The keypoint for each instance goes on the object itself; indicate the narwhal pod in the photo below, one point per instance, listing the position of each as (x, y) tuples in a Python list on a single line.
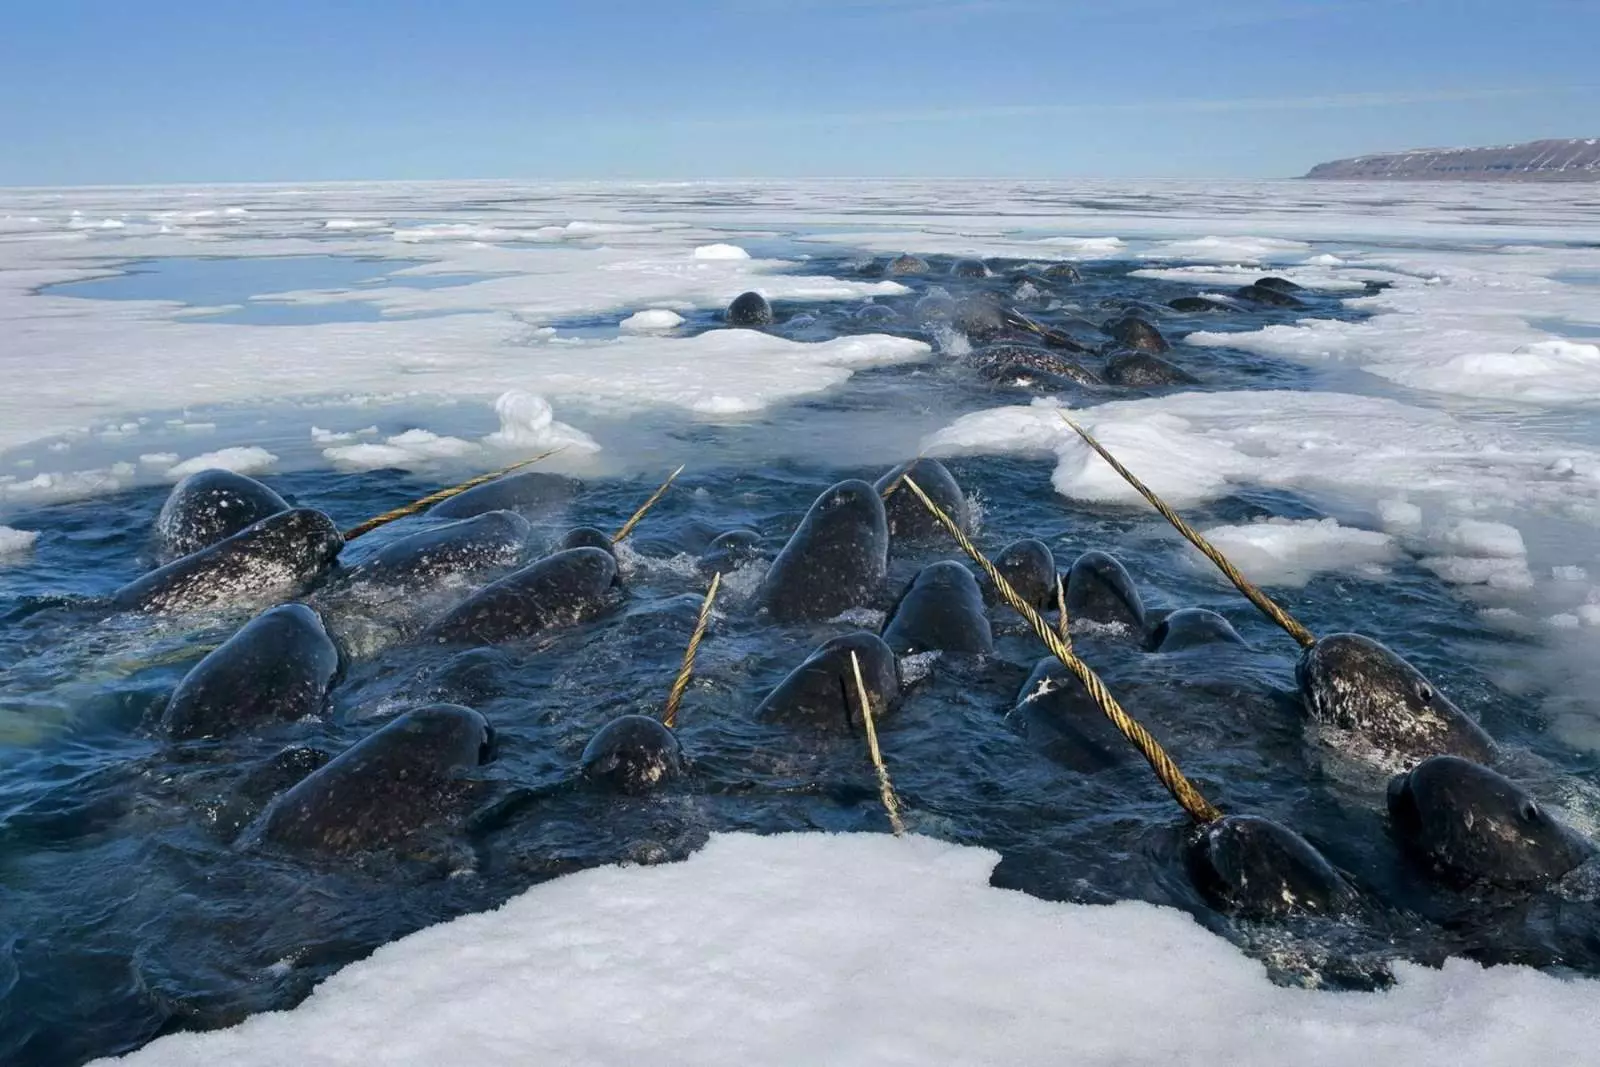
[(1029, 567), (1472, 826), (632, 754), (1257, 869), (563, 589), (821, 693), (468, 549), (941, 611), (1353, 683), (836, 560), (524, 492), (909, 520), (208, 506), (1060, 719), (275, 559), (276, 669), (395, 781), (1100, 590)]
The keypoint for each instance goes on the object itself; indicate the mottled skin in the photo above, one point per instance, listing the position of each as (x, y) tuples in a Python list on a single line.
[(729, 551), (942, 610), (1063, 272), (1059, 718), (399, 779), (275, 559), (209, 506), (560, 590), (1258, 294), (908, 264), (820, 694), (981, 318), (1029, 567), (1355, 684), (1470, 825), (836, 560), (525, 492), (1137, 334), (277, 668), (1253, 867), (749, 309), (936, 305), (1192, 628), (908, 519), (633, 755), (588, 537), (469, 548), (1141, 370), (1282, 285), (969, 268), (1008, 362), (1100, 589)]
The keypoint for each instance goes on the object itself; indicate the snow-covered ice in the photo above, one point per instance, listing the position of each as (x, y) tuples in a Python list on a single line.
[(868, 949), (251, 459), (1291, 551)]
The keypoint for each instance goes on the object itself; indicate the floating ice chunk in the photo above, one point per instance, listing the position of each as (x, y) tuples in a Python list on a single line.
[(775, 940), (158, 459), (453, 231), (1399, 515), (1569, 574), (16, 542), (651, 320), (720, 251), (414, 448), (251, 459), (349, 225), (1481, 540), (528, 422), (319, 436), (1291, 551), (1084, 246)]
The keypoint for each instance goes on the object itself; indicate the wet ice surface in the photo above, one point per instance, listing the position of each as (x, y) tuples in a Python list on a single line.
[(1337, 457)]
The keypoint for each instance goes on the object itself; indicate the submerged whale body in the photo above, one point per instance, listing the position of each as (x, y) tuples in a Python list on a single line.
[(941, 611), (275, 559), (633, 754), (207, 507), (564, 589), (464, 549), (1471, 825), (1029, 567), (1189, 628), (525, 492), (821, 693), (276, 669), (908, 518), (400, 779), (1100, 590), (749, 309), (1257, 869), (836, 560), (1060, 719), (1352, 683)]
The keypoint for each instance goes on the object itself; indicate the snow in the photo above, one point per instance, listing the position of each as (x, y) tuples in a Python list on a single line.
[(1290, 552), (15, 543), (409, 450), (651, 320), (843, 949), (251, 459), (528, 422)]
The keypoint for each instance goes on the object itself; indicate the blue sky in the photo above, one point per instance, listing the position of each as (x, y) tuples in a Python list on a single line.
[(111, 91)]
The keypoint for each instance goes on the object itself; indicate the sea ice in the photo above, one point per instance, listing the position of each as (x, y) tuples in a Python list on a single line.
[(245, 460), (16, 542), (1291, 552), (867, 949)]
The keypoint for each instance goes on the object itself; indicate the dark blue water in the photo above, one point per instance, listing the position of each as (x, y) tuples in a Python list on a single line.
[(128, 909)]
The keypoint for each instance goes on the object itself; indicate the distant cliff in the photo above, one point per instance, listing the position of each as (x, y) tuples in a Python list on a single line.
[(1537, 161)]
